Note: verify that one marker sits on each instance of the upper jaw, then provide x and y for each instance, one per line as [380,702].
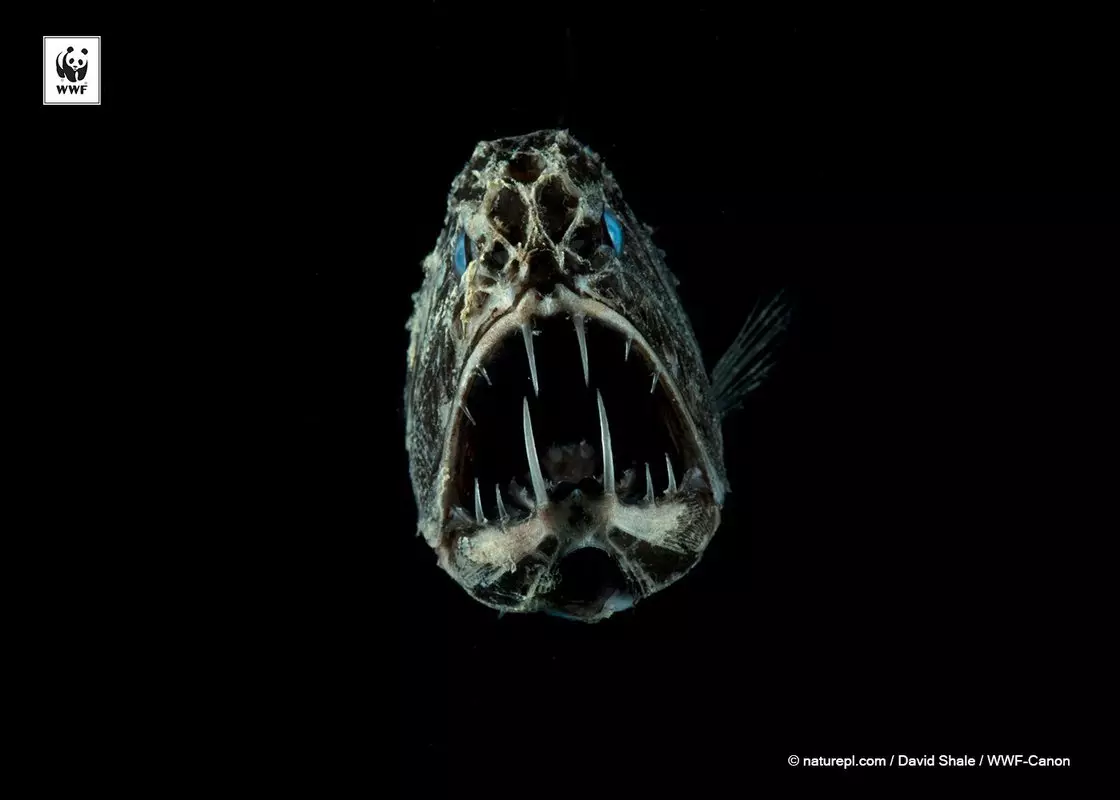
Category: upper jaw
[563,300]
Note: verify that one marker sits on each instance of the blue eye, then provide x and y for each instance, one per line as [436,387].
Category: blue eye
[614,230]
[461,253]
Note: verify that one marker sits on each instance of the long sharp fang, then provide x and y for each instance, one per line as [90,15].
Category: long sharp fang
[539,492]
[608,455]
[649,485]
[578,320]
[527,334]
[672,477]
[487,377]
[653,383]
[503,515]
[466,411]
[627,356]
[479,517]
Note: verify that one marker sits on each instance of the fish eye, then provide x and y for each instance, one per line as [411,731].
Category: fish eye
[614,230]
[461,253]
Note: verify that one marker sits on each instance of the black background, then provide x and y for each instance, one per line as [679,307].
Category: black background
[898,566]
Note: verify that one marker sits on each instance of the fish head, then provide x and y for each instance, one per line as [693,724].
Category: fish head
[564,445]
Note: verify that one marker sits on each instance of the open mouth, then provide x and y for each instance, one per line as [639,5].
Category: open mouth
[571,457]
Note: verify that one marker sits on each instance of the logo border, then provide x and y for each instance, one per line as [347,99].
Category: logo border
[99,73]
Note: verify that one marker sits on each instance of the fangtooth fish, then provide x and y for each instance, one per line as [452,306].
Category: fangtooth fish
[564,440]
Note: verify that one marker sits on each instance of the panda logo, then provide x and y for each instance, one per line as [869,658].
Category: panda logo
[71,65]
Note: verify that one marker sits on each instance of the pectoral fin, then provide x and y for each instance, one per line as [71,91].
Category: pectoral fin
[750,357]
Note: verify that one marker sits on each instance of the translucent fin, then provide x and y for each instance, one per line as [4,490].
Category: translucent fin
[750,357]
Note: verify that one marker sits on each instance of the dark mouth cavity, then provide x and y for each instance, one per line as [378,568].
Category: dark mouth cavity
[643,426]
[587,578]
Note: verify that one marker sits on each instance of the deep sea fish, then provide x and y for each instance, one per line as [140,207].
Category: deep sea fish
[564,440]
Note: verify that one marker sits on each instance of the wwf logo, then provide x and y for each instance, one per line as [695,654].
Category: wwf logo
[71,65]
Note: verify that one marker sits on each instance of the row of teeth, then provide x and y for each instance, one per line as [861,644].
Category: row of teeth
[527,333]
[540,489]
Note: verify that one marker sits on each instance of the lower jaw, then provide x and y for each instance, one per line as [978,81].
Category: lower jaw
[586,573]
